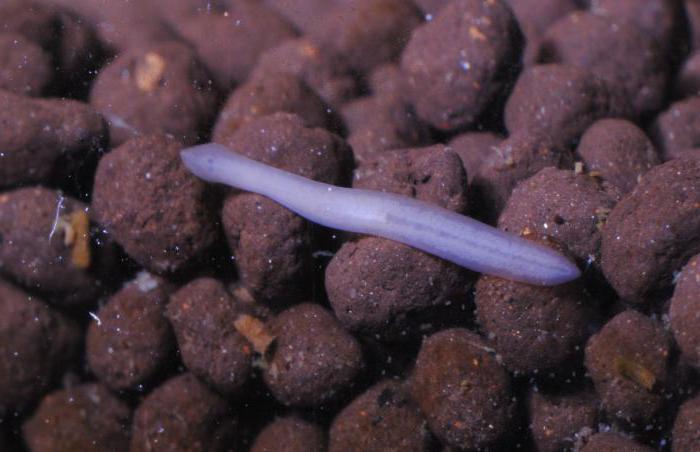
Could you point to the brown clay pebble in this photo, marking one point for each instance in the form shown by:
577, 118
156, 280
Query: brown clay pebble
685, 311
677, 128
229, 39
24, 67
560, 422
182, 415
304, 14
618, 152
473, 148
692, 9
62, 49
85, 417
462, 390
366, 33
266, 94
71, 48
271, 246
121, 26
693, 152
556, 102
628, 362
516, 158
33, 20
661, 19
204, 319
613, 442
181, 10
653, 231
381, 122
313, 359
41, 137
686, 427
688, 81
293, 434
620, 53
386, 80
285, 141
382, 418
430, 7
161, 88
569, 207
458, 63
534, 16
535, 329
432, 174
400, 287
328, 78
130, 339
78, 53
45, 244
175, 12
37, 342
151, 205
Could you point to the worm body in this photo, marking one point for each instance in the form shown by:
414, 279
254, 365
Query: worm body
435, 230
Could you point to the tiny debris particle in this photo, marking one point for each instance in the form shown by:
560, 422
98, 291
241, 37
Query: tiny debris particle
80, 228
254, 330
476, 34
634, 371
149, 73
95, 318
68, 231
145, 281
309, 51
601, 214
243, 294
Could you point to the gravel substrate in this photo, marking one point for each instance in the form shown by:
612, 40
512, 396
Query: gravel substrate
143, 309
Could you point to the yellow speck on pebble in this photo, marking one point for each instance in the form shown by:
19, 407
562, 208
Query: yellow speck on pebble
635, 372
149, 73
80, 224
475, 33
254, 330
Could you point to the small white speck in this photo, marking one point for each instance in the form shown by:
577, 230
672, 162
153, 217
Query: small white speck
145, 281
95, 318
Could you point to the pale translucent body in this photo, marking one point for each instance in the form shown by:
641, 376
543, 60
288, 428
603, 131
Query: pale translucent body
435, 230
